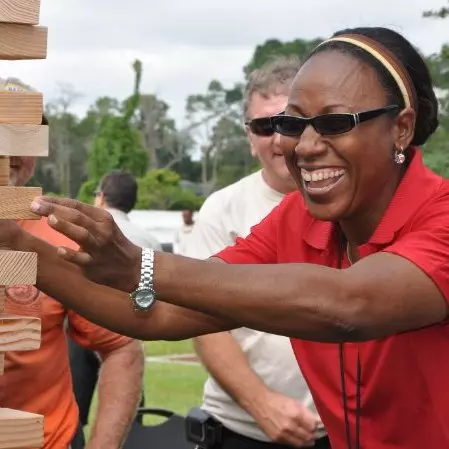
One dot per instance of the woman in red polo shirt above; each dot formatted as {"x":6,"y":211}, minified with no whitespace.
{"x":355,"y":269}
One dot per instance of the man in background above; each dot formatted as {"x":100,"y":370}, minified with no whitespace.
{"x":39,"y":381}
{"x":116,"y":193}
{"x":255,"y":390}
{"x":183,"y":234}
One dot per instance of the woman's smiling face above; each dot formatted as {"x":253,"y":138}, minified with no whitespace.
{"x":344,"y":174}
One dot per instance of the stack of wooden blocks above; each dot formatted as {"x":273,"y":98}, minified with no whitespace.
{"x":21,"y":134}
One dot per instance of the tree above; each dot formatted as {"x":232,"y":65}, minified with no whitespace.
{"x":439,"y":13}
{"x":438,"y":64}
{"x":64,"y":170}
{"x":161,"y":190}
{"x":117,"y":144}
{"x":211,"y":117}
{"x":436,"y":150}
{"x":274,"y":47}
{"x":233,"y":160}
{"x":165,"y":145}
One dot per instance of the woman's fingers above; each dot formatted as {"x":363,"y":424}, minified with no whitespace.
{"x":75,"y":224}
{"x":76,"y":233}
{"x":106,"y":256}
{"x":77,"y":257}
{"x":46,"y":205}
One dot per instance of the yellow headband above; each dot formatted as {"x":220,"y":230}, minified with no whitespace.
{"x":402,"y":81}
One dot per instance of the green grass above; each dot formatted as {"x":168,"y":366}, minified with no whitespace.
{"x":156,"y":348}
{"x":168,"y":385}
{"x":172,"y":386}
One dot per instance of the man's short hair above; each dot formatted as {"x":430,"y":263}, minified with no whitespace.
{"x":273,"y":78}
{"x":119,"y":188}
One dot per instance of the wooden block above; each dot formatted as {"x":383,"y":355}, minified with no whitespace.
{"x":20,"y":11}
{"x":18,"y":268}
{"x":23,"y":140}
{"x":21,"y":107}
{"x":19,"y":333}
{"x":2,"y":298}
{"x":20,"y":430}
{"x":4,"y":171}
{"x":15,"y":202}
{"x":22,"y":41}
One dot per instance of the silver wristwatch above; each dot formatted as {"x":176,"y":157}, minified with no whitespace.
{"x":144,"y":295}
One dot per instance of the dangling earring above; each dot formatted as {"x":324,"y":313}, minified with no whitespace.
{"x":399,"y":156}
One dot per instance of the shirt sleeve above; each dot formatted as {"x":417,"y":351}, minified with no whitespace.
{"x":427,"y":245}
{"x":90,"y":336}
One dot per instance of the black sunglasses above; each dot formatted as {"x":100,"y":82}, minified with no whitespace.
{"x":262,"y":126}
{"x":326,"y":124}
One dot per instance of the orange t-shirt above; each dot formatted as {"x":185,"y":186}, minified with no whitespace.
{"x":40,"y":381}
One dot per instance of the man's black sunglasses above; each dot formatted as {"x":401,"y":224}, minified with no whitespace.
{"x":261,"y":126}
{"x":326,"y":124}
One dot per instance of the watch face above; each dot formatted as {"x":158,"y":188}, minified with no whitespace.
{"x":144,"y":298}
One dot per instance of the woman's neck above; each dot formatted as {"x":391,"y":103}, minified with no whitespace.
{"x":359,"y":227}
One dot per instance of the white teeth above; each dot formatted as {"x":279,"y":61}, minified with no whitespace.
{"x":306,"y":176}
{"x":319,"y":175}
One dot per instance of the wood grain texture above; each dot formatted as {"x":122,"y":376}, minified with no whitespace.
{"x":15,"y":202}
{"x":2,"y":364}
{"x":20,"y":11}
{"x":22,"y":41}
{"x":21,"y":107}
{"x":19,"y":333}
{"x":2,"y":298}
{"x":23,"y":140}
{"x":20,"y":430}
{"x":4,"y":170}
{"x":18,"y":268}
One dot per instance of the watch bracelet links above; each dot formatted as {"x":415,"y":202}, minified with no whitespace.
{"x":147,"y":269}
{"x":146,"y":275}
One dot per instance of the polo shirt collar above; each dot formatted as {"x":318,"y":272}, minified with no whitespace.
{"x":417,"y":185}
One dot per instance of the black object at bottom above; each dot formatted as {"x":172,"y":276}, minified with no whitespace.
{"x":232,"y":440}
{"x":206,"y":432}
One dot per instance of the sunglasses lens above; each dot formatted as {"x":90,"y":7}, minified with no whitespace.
{"x":331,"y":124}
{"x":261,"y":127}
{"x":289,"y":126}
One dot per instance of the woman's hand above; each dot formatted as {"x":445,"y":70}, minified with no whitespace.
{"x":105,"y":255}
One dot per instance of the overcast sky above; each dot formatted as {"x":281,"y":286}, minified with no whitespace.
{"x":183,"y":44}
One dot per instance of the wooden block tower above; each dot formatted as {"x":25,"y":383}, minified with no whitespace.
{"x":21,"y":134}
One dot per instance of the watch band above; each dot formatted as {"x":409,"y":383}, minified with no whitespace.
{"x":147,"y":269}
{"x":144,"y":295}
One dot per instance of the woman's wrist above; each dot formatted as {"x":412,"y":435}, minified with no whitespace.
{"x":134,"y":273}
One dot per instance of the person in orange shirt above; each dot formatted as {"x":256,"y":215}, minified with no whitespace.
{"x":40,"y":381}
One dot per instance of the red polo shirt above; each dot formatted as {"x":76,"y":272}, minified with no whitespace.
{"x":404,"y":378}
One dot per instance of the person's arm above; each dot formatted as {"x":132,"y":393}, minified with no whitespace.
{"x":382,"y":294}
{"x":283,"y":419}
{"x":119,"y":393}
{"x":111,"y":308}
